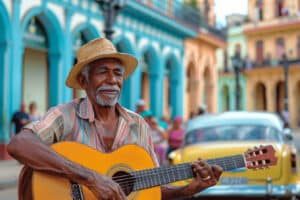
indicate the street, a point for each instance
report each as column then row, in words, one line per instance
column 9, row 194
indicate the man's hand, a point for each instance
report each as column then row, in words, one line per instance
column 106, row 189
column 205, row 176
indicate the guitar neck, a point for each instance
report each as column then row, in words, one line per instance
column 167, row 174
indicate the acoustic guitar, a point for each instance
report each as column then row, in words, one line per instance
column 133, row 169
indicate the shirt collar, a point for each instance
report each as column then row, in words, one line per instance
column 86, row 111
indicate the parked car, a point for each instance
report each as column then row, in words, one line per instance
column 231, row 133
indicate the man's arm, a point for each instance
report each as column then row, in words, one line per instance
column 31, row 151
column 205, row 176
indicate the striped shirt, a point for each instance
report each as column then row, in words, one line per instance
column 75, row 121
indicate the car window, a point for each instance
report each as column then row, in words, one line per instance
column 233, row 133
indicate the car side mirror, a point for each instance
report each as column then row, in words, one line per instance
column 287, row 134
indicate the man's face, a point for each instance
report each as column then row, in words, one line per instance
column 105, row 81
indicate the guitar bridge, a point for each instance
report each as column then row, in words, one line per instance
column 76, row 191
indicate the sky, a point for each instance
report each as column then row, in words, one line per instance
column 226, row 7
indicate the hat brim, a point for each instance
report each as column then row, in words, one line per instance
column 128, row 61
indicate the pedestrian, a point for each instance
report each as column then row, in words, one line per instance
column 202, row 110
column 159, row 138
column 99, row 121
column 140, row 106
column 19, row 119
column 175, row 135
column 33, row 115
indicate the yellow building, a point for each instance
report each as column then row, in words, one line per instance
column 273, row 32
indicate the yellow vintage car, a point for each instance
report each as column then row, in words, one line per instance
column 232, row 133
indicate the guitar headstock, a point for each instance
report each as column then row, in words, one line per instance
column 260, row 157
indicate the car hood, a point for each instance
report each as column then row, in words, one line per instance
column 213, row 150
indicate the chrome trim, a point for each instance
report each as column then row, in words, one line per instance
column 251, row 190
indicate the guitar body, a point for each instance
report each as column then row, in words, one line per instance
column 126, row 159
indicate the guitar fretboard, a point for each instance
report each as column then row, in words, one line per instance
column 163, row 175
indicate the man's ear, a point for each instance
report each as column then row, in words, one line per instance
column 82, row 81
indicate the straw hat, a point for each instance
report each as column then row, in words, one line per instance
column 98, row 49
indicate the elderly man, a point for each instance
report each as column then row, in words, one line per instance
column 98, row 121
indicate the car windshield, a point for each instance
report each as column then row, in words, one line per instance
column 233, row 133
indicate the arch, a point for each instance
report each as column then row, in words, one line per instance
column 191, row 88
column 88, row 29
column 5, row 37
column 51, row 24
column 81, row 34
column 171, row 84
column 279, row 96
column 55, row 38
column 260, row 97
column 150, row 77
column 153, row 58
column 125, row 45
column 207, row 92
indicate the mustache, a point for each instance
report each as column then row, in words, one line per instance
column 106, row 87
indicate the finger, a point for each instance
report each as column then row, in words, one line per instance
column 217, row 171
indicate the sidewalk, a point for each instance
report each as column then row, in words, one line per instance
column 9, row 172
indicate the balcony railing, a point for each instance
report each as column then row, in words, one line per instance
column 273, row 63
column 183, row 13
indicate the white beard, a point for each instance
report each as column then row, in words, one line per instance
column 111, row 100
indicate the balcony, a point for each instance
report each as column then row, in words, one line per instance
column 272, row 63
column 184, row 14
column 281, row 23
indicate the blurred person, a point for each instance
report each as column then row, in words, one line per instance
column 175, row 135
column 193, row 115
column 202, row 110
column 159, row 139
column 33, row 115
column 106, row 126
column 164, row 122
column 147, row 115
column 19, row 119
column 140, row 106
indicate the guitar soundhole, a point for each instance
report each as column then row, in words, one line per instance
column 125, row 180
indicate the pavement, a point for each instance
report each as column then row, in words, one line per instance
column 9, row 172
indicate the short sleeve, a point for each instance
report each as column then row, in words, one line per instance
column 50, row 128
column 146, row 140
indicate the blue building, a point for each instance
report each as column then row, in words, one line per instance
column 39, row 39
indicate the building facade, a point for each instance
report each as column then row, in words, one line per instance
column 273, row 34
column 236, row 43
column 201, row 83
column 39, row 40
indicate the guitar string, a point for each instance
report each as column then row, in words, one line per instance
column 129, row 181
column 226, row 163
column 129, row 184
column 125, row 179
column 150, row 172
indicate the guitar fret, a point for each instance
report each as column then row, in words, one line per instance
column 167, row 174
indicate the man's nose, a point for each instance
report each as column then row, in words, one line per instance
column 111, row 77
